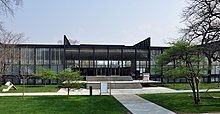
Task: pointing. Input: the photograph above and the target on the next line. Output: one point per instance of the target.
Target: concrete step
(116, 85)
(109, 78)
(117, 82)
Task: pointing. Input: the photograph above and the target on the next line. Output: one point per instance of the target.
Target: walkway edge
(138, 105)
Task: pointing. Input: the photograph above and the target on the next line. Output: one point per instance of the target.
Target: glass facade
(154, 54)
(107, 60)
(26, 60)
(90, 60)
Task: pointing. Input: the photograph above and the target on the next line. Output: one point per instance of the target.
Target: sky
(124, 22)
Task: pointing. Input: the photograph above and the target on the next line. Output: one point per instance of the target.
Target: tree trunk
(45, 83)
(23, 87)
(197, 90)
(1, 78)
(209, 69)
(68, 92)
(193, 89)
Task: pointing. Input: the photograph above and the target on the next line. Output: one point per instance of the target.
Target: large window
(128, 54)
(56, 55)
(142, 60)
(101, 54)
(86, 54)
(42, 56)
(154, 54)
(115, 54)
(72, 57)
(27, 56)
(86, 58)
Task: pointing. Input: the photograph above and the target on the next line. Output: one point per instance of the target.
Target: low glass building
(91, 60)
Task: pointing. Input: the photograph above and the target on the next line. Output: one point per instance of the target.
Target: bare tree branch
(72, 42)
(9, 53)
(202, 20)
(9, 6)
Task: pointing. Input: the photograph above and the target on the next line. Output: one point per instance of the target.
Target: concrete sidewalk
(29, 94)
(138, 105)
(147, 90)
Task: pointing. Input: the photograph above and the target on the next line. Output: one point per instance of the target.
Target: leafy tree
(70, 79)
(202, 20)
(45, 73)
(182, 60)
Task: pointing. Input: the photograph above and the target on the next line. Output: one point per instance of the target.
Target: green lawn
(183, 102)
(32, 88)
(61, 105)
(186, 86)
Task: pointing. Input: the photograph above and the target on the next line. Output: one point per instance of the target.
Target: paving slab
(138, 105)
(146, 90)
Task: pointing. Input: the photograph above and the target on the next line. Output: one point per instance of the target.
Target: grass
(183, 102)
(33, 88)
(186, 86)
(61, 105)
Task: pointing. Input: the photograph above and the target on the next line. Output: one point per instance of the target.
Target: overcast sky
(98, 21)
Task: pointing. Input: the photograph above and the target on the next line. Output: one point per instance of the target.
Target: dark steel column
(50, 57)
(108, 69)
(79, 58)
(122, 67)
(94, 67)
(149, 59)
(34, 59)
(64, 56)
(135, 64)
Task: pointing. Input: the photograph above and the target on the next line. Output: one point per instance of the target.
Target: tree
(9, 53)
(8, 40)
(72, 42)
(202, 20)
(45, 73)
(8, 6)
(70, 79)
(182, 60)
(23, 76)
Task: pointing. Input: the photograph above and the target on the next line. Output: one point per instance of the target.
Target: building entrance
(107, 71)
